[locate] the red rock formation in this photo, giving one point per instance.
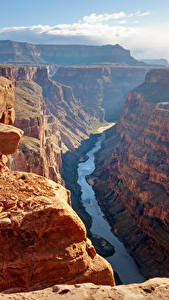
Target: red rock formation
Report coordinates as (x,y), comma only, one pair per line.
(8,132)
(135,157)
(51,118)
(43,241)
(154,289)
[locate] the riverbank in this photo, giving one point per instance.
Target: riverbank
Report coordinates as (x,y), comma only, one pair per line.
(70,162)
(121,261)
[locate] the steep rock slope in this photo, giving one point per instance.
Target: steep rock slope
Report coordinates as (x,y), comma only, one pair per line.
(51,118)
(101,90)
(43,241)
(24,53)
(132,176)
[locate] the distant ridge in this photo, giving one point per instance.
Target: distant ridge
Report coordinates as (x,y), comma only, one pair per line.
(24,53)
(157,62)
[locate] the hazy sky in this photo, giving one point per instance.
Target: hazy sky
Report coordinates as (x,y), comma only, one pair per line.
(141,26)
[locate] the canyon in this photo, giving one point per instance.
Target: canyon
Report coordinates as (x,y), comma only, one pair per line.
(133,163)
(43,241)
(58,108)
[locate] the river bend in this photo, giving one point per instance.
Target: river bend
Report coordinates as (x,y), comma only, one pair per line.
(121,261)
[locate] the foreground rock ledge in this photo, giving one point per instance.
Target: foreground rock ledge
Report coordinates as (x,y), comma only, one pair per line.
(154,289)
(43,241)
(9,138)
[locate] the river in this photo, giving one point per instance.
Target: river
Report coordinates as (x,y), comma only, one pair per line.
(121,261)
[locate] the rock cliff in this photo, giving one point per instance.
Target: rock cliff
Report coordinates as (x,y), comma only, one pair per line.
(51,117)
(102,90)
(57,116)
(43,241)
(24,53)
(134,165)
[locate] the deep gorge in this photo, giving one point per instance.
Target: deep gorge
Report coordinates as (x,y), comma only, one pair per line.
(58,116)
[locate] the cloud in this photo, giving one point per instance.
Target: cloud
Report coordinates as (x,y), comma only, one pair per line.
(93,18)
(123,22)
(143,41)
(142,14)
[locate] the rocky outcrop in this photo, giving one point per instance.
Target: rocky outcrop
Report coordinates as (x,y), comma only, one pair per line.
(134,164)
(24,53)
(154,289)
(43,241)
(8,132)
(102,90)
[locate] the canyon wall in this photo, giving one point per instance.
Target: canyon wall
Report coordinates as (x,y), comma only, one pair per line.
(51,117)
(43,241)
(102,90)
(132,175)
(57,115)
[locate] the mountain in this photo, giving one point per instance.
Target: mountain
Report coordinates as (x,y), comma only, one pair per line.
(23,53)
(132,175)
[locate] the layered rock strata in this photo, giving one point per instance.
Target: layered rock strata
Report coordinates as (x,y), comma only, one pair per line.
(102,90)
(43,241)
(24,53)
(56,117)
(132,179)
(51,118)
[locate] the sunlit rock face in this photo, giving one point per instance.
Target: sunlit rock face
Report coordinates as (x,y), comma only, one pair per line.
(134,164)
(50,116)
(43,241)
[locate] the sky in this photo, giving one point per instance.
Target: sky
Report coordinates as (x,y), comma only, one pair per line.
(140,26)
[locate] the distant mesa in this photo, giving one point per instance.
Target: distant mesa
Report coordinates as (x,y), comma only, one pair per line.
(23,53)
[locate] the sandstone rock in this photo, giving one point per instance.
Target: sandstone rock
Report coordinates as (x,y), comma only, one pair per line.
(51,117)
(43,241)
(7,114)
(154,289)
(9,138)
